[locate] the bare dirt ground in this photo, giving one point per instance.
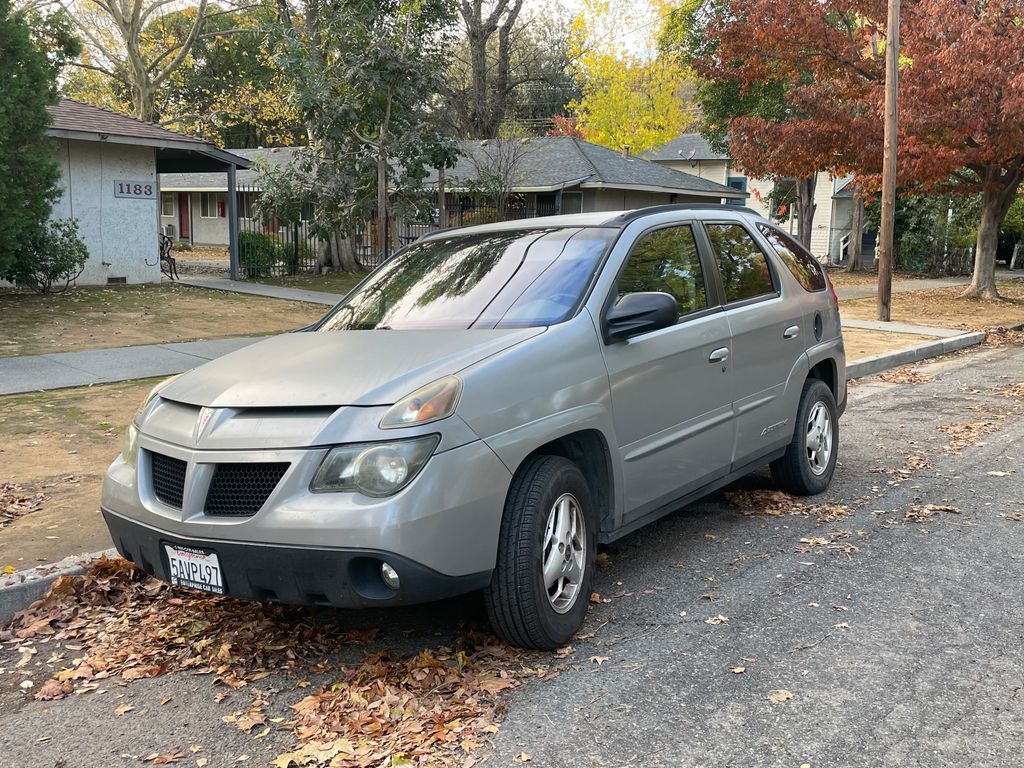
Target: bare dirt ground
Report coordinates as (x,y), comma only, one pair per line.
(59,444)
(104,317)
(861,343)
(944,308)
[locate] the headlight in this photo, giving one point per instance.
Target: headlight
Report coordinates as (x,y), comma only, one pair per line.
(433,402)
(130,447)
(374,469)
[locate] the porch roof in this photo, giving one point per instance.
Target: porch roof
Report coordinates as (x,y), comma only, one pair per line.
(178,152)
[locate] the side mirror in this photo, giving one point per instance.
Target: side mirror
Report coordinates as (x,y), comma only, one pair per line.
(637,313)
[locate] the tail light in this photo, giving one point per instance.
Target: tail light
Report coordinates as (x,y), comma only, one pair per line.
(832,290)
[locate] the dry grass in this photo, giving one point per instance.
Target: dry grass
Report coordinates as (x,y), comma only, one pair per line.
(944,307)
(59,444)
(862,343)
(104,317)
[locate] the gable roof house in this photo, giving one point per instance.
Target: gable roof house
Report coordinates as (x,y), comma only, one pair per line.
(691,153)
(553,175)
(110,165)
(562,174)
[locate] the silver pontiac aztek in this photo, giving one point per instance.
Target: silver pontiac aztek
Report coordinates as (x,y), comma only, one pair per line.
(484,409)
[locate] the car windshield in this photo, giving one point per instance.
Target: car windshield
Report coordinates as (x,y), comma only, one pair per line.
(505,279)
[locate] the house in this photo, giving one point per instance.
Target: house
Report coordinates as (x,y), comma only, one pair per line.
(691,153)
(564,174)
(545,176)
(110,165)
(193,206)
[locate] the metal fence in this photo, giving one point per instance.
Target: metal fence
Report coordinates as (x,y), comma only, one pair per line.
(267,248)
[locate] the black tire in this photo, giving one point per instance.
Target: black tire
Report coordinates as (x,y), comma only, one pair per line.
(517,600)
(792,472)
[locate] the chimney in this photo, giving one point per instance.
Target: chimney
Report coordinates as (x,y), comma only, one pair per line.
(625,151)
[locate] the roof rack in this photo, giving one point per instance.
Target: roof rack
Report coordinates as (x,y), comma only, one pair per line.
(629,216)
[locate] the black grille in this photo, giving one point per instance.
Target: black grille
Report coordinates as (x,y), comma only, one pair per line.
(168,479)
(241,489)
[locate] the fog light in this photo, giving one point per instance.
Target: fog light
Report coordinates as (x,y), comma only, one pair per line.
(390,576)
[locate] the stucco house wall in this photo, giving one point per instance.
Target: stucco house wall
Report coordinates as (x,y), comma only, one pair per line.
(209,230)
(118,231)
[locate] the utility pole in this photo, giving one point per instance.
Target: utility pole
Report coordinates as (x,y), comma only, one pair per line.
(885,251)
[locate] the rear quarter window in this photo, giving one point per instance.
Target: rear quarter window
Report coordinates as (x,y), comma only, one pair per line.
(805,268)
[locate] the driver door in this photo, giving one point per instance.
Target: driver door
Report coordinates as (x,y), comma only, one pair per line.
(671,389)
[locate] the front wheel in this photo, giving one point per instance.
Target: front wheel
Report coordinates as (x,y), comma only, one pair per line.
(810,459)
(541,585)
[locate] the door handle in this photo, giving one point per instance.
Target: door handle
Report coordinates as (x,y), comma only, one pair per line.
(719,355)
(792,332)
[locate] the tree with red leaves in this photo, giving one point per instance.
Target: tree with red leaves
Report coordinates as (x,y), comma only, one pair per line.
(961,96)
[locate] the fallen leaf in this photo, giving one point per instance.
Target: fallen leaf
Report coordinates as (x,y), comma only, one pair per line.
(523,757)
(174,756)
(599,660)
(777,697)
(719,619)
(738,670)
(122,709)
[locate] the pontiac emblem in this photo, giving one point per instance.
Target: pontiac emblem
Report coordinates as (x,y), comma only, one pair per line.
(205,414)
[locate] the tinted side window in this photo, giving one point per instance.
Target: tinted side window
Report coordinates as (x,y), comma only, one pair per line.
(744,267)
(799,260)
(666,260)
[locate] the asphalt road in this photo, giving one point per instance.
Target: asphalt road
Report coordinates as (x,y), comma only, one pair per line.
(896,643)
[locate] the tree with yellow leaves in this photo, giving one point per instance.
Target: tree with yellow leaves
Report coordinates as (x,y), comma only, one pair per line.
(631,94)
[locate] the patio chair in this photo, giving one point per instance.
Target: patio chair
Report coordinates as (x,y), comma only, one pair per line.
(167,263)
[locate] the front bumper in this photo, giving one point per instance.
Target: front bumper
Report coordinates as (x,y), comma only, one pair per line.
(338,577)
(447,520)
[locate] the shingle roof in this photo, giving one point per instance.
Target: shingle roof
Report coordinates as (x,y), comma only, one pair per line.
(70,115)
(554,161)
(245,178)
(687,146)
(548,163)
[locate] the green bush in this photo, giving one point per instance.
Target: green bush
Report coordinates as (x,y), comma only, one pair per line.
(260,254)
(48,260)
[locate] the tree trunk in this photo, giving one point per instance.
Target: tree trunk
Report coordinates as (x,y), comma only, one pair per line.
(383,217)
(805,209)
(996,198)
(337,252)
(856,254)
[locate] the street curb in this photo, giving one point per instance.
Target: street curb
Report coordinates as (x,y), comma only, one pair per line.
(869,366)
(19,590)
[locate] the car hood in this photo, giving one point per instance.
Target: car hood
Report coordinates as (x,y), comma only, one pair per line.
(337,368)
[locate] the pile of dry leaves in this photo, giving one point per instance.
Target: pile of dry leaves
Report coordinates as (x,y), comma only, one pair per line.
(1004,337)
(965,434)
(1013,390)
(15,501)
(905,376)
(768,503)
(434,708)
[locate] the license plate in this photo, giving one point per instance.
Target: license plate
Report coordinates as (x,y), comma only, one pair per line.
(195,568)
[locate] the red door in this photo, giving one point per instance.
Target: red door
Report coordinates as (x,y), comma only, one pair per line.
(184,215)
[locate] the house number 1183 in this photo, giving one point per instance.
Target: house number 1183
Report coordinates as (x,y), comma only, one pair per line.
(128,188)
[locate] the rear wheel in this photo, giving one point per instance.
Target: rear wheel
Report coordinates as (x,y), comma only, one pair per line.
(541,586)
(810,459)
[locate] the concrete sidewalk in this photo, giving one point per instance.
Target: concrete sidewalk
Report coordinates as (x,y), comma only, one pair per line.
(38,373)
(259,289)
(848,292)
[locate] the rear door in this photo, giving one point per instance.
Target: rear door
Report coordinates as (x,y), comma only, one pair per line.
(671,389)
(767,338)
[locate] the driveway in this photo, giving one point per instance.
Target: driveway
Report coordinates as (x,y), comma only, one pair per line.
(878,627)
